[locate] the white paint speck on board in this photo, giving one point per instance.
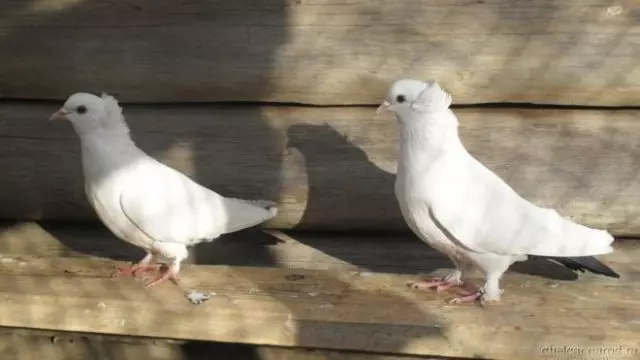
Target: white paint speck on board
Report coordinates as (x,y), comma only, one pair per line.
(614,10)
(6,260)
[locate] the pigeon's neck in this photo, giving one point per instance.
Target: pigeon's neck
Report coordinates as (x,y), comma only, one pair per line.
(105,152)
(423,140)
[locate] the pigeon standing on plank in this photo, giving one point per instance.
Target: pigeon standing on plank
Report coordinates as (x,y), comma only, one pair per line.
(143,201)
(462,209)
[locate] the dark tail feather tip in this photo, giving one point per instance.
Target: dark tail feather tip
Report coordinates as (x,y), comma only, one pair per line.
(586,263)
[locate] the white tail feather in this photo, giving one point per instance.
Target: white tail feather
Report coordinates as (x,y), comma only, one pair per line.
(243,216)
(572,239)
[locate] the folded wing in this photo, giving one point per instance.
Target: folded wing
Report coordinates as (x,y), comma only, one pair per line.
(170,207)
(485,214)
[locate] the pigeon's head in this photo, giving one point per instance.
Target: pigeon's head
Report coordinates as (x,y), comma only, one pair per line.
(88,113)
(408,96)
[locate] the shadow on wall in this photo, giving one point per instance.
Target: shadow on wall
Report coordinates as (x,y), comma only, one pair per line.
(342,180)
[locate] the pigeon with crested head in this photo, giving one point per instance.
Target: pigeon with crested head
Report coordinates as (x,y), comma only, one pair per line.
(141,200)
(464,210)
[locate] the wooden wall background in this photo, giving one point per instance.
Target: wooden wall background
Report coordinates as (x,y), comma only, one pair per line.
(330,167)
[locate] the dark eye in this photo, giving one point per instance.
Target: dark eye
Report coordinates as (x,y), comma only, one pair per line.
(81,109)
(400,99)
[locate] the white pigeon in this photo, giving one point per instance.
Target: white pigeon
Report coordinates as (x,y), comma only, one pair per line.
(143,201)
(462,209)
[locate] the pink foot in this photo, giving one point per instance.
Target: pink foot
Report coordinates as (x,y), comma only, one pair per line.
(134,270)
(143,265)
(437,283)
(466,298)
(166,274)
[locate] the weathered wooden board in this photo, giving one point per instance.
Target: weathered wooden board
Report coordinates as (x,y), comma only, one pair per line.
(247,248)
(348,310)
(28,344)
(322,51)
(63,347)
(29,248)
(332,168)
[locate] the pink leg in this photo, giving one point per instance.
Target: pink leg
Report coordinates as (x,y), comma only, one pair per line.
(170,273)
(143,265)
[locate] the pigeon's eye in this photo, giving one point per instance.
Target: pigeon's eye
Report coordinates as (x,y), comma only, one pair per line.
(400,99)
(81,109)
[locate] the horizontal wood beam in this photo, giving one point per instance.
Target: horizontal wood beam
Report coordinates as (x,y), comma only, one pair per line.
(56,345)
(332,168)
(319,308)
(354,284)
(580,52)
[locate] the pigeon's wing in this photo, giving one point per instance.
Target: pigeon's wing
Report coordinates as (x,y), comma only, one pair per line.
(169,207)
(483,213)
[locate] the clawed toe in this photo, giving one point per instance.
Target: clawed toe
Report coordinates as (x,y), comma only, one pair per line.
(424,284)
(166,274)
(133,270)
(483,297)
(466,298)
(439,284)
(447,285)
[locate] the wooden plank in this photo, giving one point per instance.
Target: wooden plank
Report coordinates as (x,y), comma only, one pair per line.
(332,168)
(322,51)
(27,344)
(341,276)
(349,310)
(61,347)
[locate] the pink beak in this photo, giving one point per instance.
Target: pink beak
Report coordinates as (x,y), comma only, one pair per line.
(59,115)
(383,107)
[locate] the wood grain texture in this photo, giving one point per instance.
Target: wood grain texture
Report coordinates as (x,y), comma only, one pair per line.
(28,344)
(337,276)
(322,51)
(347,310)
(332,168)
(59,346)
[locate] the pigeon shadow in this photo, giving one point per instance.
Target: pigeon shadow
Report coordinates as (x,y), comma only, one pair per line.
(346,190)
